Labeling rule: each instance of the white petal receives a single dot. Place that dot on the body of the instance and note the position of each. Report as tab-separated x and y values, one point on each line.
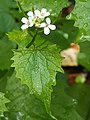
23	27
48	20
37	13
47	14
46	30
30	13
24	20
43	10
43	25
31	24
52	27
44	13
31	19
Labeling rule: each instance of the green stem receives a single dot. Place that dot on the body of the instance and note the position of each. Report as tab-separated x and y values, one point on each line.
41	44
40	31
32	40
30	32
21	9
57	19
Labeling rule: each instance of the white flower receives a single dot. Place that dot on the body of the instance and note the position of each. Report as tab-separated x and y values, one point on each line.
35	17
37	13
41	14
44	13
27	23
34	14
30	14
47	26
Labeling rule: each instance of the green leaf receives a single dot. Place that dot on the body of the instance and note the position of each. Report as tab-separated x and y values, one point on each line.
4	25
63	35
83	57
6	5
64	106
82	19
70	30
57	37
3	78
22	38
37	69
81	93
23	105
54	6
26	107
3	101
5	53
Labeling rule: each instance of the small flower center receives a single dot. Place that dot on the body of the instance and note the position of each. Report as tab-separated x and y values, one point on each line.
28	23
37	22
42	14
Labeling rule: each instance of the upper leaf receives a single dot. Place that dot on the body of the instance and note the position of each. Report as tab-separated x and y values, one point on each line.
53	6
81	15
37	69
22	38
3	101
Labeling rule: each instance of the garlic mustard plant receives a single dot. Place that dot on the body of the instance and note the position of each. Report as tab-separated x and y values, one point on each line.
42	14
37	18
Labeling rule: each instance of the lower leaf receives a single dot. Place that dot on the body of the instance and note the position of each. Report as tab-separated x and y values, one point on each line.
37	69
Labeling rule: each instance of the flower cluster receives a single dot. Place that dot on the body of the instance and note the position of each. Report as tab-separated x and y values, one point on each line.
38	19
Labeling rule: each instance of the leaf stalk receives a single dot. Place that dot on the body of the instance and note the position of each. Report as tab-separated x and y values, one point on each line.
19	5
32	40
